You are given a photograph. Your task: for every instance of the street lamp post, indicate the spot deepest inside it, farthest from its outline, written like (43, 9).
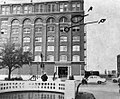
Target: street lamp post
(42, 64)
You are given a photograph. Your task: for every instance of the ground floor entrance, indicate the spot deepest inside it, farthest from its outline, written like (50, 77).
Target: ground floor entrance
(62, 72)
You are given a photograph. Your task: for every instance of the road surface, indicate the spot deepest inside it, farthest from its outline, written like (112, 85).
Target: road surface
(104, 91)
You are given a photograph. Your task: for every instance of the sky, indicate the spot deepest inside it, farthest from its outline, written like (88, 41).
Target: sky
(103, 40)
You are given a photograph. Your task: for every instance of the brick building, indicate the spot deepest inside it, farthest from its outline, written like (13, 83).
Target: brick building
(39, 27)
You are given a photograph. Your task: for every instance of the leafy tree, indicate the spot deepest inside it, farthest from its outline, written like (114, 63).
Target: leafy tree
(27, 59)
(12, 58)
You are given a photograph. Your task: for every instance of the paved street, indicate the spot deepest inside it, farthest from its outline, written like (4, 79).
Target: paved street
(104, 91)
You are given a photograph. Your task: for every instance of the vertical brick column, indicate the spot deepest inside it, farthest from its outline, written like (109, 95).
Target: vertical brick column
(57, 42)
(44, 43)
(32, 38)
(69, 35)
(20, 34)
(9, 32)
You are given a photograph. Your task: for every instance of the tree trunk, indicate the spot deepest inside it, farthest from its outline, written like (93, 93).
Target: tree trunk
(9, 74)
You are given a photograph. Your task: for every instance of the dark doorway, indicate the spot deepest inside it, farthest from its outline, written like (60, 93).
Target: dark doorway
(62, 72)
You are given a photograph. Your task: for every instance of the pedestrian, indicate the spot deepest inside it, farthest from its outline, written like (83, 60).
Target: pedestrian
(84, 81)
(54, 78)
(44, 77)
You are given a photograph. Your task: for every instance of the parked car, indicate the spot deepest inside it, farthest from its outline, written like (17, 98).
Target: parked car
(95, 79)
(115, 79)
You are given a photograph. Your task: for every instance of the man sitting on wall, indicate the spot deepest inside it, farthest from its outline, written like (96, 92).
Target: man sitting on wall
(44, 77)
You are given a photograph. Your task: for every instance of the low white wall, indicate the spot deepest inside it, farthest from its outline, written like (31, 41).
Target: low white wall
(68, 87)
(27, 77)
(11, 86)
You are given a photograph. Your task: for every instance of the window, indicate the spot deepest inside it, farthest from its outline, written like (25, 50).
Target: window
(15, 22)
(26, 48)
(51, 20)
(5, 10)
(27, 22)
(76, 58)
(26, 30)
(75, 29)
(14, 39)
(15, 26)
(4, 22)
(62, 28)
(50, 48)
(63, 48)
(51, 28)
(4, 26)
(77, 19)
(50, 58)
(76, 6)
(37, 58)
(38, 39)
(63, 58)
(51, 7)
(39, 8)
(38, 29)
(38, 21)
(63, 39)
(76, 48)
(73, 7)
(27, 26)
(16, 9)
(15, 30)
(76, 38)
(4, 30)
(26, 39)
(51, 39)
(38, 26)
(63, 7)
(38, 48)
(27, 9)
(63, 20)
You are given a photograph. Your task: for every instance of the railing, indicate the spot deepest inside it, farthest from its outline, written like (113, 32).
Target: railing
(11, 86)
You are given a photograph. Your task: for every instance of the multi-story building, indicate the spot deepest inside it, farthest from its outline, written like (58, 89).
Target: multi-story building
(39, 27)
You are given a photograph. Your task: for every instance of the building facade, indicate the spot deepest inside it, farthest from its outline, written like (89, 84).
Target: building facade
(39, 27)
